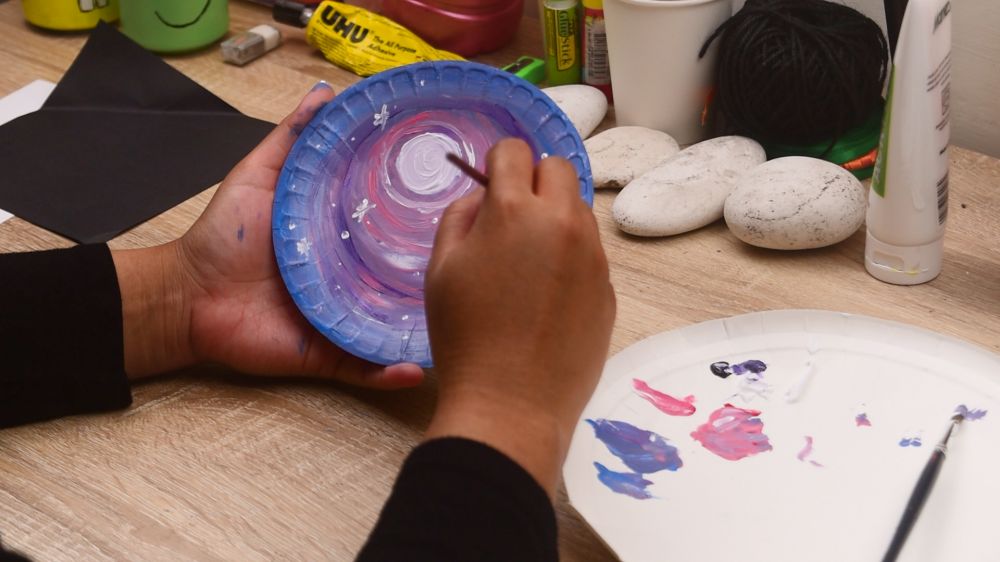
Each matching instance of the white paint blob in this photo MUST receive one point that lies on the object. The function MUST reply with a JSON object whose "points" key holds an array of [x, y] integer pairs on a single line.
{"points": [[422, 164], [303, 246], [345, 235]]}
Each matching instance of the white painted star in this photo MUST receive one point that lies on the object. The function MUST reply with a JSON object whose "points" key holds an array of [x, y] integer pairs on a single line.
{"points": [[382, 117], [303, 246], [362, 209]]}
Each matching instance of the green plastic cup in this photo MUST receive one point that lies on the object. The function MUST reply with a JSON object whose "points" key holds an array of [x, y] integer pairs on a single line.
{"points": [[174, 26]]}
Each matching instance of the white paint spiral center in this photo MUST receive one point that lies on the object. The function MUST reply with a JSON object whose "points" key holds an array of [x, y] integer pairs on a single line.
{"points": [[422, 165]]}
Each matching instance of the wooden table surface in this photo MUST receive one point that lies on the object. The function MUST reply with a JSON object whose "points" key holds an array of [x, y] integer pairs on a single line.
{"points": [[208, 465]]}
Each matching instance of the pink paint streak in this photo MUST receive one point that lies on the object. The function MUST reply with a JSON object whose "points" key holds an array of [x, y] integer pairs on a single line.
{"points": [[733, 433], [664, 402], [806, 451]]}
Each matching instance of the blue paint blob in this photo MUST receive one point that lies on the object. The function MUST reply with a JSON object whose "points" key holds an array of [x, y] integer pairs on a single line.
{"points": [[642, 451], [970, 415], [302, 346], [628, 483], [239, 233], [910, 442]]}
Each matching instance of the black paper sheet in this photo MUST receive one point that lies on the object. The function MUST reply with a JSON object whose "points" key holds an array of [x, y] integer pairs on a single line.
{"points": [[122, 138]]}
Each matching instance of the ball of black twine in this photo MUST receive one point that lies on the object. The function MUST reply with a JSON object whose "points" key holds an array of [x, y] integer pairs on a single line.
{"points": [[796, 71]]}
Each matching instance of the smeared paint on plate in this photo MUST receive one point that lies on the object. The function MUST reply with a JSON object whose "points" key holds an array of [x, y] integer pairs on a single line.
{"points": [[733, 433], [641, 450], [875, 383], [627, 483], [664, 402]]}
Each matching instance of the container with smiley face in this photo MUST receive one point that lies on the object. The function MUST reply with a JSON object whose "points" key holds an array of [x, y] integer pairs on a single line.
{"points": [[174, 26]]}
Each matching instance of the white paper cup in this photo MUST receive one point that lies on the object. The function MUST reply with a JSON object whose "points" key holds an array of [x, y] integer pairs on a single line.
{"points": [[658, 79]]}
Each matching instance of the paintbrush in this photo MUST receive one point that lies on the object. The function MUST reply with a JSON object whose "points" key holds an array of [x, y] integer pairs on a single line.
{"points": [[921, 492], [468, 169]]}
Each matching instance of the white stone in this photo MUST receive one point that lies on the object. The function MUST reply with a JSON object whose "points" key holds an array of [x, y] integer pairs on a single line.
{"points": [[688, 190], [584, 105], [796, 203], [619, 155]]}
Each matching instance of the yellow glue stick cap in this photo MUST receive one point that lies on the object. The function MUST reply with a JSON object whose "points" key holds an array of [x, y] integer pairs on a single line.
{"points": [[593, 4]]}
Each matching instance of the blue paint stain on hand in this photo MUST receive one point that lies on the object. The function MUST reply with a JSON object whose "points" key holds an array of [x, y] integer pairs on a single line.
{"points": [[642, 451], [239, 233], [302, 345], [628, 483]]}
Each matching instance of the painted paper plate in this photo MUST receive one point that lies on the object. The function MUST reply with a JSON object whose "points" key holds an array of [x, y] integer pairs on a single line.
{"points": [[361, 193], [789, 436]]}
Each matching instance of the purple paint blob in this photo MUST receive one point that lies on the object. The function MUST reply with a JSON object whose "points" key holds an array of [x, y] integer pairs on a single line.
{"points": [[723, 369], [239, 233], [628, 483], [664, 402], [970, 415], [754, 366], [910, 442], [861, 420], [733, 433], [642, 451]]}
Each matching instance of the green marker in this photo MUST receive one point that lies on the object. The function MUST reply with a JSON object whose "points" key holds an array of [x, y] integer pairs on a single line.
{"points": [[561, 20]]}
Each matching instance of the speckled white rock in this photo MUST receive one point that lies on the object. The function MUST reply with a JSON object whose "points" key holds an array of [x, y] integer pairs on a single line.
{"points": [[796, 203], [688, 190], [619, 155], [584, 105]]}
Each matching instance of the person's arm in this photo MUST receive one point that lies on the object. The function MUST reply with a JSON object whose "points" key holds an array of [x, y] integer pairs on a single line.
{"points": [[61, 335], [520, 309], [77, 325]]}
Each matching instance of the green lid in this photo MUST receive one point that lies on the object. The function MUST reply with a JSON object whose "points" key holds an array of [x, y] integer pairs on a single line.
{"points": [[852, 146]]}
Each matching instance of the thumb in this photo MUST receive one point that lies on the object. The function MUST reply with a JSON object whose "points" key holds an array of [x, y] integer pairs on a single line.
{"points": [[455, 223], [270, 154]]}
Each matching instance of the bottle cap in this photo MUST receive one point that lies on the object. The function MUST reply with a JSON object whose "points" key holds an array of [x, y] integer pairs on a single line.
{"points": [[593, 4], [288, 12], [903, 265], [270, 34]]}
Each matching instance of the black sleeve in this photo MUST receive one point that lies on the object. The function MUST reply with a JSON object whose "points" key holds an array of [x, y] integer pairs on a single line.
{"points": [[457, 499], [61, 347]]}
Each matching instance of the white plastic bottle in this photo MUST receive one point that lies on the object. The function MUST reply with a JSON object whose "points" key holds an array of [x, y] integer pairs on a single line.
{"points": [[908, 202]]}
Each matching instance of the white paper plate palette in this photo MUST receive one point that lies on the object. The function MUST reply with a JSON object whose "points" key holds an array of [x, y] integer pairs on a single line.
{"points": [[830, 419]]}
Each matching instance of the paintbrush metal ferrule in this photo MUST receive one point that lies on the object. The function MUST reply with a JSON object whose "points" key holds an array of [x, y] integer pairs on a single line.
{"points": [[468, 169]]}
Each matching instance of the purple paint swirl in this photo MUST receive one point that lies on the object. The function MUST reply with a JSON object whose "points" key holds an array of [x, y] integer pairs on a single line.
{"points": [[362, 192], [642, 451], [627, 483]]}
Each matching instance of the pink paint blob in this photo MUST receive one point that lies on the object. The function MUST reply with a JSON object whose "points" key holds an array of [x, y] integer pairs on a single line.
{"points": [[733, 433], [861, 420], [664, 402], [806, 451]]}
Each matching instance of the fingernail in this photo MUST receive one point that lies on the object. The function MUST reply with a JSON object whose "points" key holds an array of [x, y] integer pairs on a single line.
{"points": [[321, 84]]}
